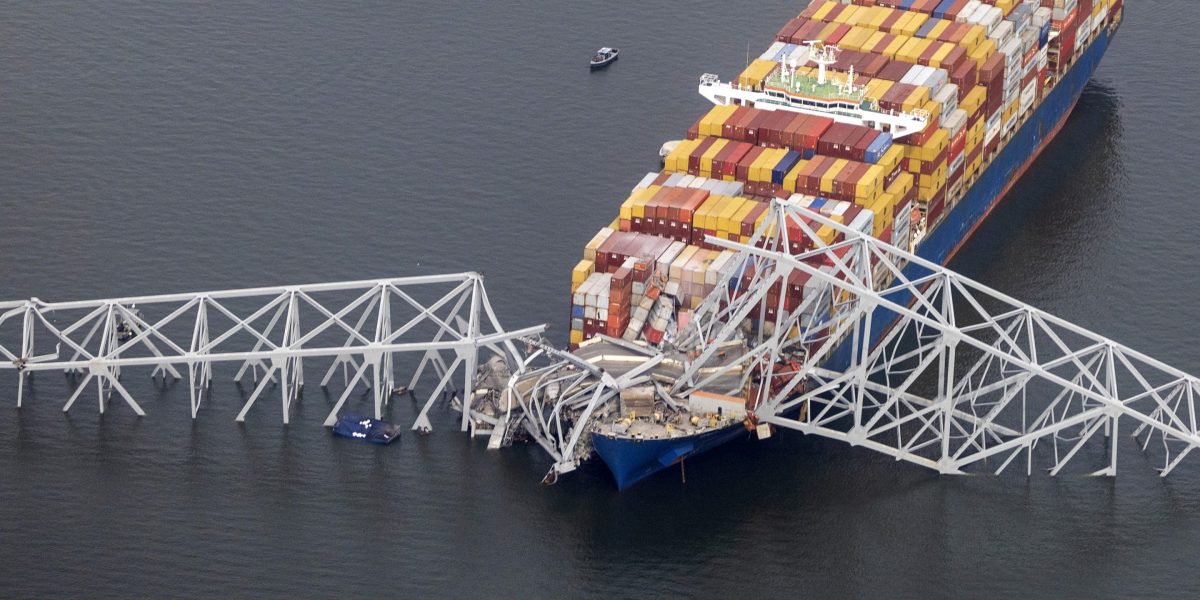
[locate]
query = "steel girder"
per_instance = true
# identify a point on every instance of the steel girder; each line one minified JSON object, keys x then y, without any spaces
{"x":361,"y":327}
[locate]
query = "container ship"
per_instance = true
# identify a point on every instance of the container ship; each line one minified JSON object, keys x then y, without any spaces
{"x":905,"y":119}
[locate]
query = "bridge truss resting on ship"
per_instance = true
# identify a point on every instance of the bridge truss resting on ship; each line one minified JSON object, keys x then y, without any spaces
{"x":887,"y":351}
{"x":443,"y":323}
{"x":960,"y":377}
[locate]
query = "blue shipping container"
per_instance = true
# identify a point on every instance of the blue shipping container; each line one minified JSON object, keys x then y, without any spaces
{"x":877,"y":148}
{"x":925,"y":29}
{"x":940,"y":11}
{"x":780,"y":170}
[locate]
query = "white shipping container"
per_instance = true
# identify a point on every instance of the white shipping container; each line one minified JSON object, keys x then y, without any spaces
{"x":772,"y":50}
{"x":992,"y":19}
{"x":1041,"y":16}
{"x":800,"y":55}
{"x":902,"y":228}
{"x":1028,"y":95}
{"x":965,"y":14}
{"x":913,"y":75}
{"x":685,"y":181}
{"x":646,"y":181}
{"x":1011,"y":123}
{"x":1002,"y":31}
{"x":864,"y":222}
{"x":993,"y":128}
{"x":948,"y":98}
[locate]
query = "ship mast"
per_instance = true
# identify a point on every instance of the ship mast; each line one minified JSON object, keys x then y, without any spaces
{"x":824,"y":55}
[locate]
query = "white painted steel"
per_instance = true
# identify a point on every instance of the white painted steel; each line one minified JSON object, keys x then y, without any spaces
{"x":360,"y":326}
{"x":899,"y":124}
{"x":962,"y":378}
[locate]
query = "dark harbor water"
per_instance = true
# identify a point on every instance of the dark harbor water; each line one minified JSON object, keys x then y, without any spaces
{"x":160,"y":147}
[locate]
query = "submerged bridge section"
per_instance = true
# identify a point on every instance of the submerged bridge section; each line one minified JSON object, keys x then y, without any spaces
{"x":367,"y":330}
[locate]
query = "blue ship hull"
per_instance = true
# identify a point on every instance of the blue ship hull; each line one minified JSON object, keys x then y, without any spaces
{"x":631,"y":461}
{"x":634,"y":460}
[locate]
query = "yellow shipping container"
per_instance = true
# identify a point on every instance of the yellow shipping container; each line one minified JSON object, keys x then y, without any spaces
{"x":944,"y":50}
{"x":846,"y":14}
{"x":935,"y":111}
{"x":921,"y":47}
{"x":827,"y":234}
{"x":824,"y":10}
{"x":576,"y":337}
{"x":706,"y":215}
{"x":676,"y":270}
{"x":878,"y":15}
{"x":917,"y":99}
{"x":789,"y":181}
{"x":735,"y":222}
{"x":827,"y":178}
{"x":935,"y":145}
{"x":914,"y":23}
{"x":706,"y":159}
{"x":938,"y":29}
{"x":857,"y":38}
{"x":874,"y":40}
{"x":908,"y":52}
{"x":676,"y":161}
{"x":895,"y":46}
{"x":870,"y":185}
{"x":902,"y":185}
{"x":757,"y":72}
{"x":1005,"y":5}
{"x":882,"y":208}
{"x":713,"y":122}
{"x":582,"y":270}
{"x":974,"y":37}
{"x":726,"y":214}
{"x":891,"y":158}
{"x":982,"y":52}
{"x":973,"y":100}
{"x":641,"y":197}
{"x":878,"y":87}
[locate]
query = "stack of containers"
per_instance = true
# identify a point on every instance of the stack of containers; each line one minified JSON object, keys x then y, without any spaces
{"x":589,"y":307}
{"x":974,"y":67}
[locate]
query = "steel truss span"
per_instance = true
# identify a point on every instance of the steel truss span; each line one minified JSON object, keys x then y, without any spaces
{"x":366,"y":330}
{"x":890,"y":352}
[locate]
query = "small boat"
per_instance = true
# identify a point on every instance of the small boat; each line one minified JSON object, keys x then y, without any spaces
{"x":366,"y":429}
{"x":603,"y":57}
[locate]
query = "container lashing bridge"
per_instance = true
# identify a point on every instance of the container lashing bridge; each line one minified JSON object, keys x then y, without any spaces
{"x":886,"y":351}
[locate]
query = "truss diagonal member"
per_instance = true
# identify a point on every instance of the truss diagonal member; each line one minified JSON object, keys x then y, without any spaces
{"x":976,"y":412}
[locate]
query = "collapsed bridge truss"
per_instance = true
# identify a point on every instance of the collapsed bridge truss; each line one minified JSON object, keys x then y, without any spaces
{"x":362,"y":328}
{"x":885,"y":350}
{"x":897,"y":354}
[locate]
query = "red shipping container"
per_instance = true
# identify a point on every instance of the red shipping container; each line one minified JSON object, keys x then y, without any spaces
{"x":728,"y":129}
{"x":807,"y":32}
{"x":789,"y":29}
{"x":694,"y":159}
{"x":742,"y":172}
{"x":956,"y":8}
{"x":891,"y":20}
{"x":838,"y":33}
{"x":729,"y":169}
{"x":760,"y":119}
{"x":895,"y":71}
